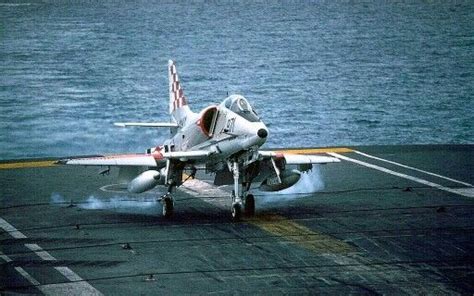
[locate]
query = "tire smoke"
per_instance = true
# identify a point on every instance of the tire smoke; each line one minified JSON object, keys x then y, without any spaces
{"x":310,"y":182}
{"x":121,"y":204}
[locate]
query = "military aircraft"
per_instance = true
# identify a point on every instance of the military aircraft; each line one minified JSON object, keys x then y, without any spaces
{"x":223,"y":139}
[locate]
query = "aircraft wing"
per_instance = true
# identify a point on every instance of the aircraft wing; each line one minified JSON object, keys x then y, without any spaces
{"x":146,"y":124}
{"x":115,"y":160}
{"x":291,"y":158}
{"x":149,"y":160}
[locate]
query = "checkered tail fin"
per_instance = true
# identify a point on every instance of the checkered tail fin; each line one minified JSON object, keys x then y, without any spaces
{"x":179,"y":108}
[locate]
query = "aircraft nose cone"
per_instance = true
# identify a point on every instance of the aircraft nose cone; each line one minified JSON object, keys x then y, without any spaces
{"x":262,"y":133}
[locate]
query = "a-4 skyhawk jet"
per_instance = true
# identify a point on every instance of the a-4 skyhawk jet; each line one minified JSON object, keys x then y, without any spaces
{"x":223,"y":139}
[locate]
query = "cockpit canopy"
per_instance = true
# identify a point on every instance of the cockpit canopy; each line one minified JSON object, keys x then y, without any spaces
{"x":239,"y":105}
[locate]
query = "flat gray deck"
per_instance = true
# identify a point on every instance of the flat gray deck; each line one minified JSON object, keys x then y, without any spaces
{"x":376,"y":227}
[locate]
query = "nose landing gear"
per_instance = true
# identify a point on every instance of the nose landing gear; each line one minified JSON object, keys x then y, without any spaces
{"x":236,"y":211}
{"x":249,"y":207}
{"x":240,"y":197}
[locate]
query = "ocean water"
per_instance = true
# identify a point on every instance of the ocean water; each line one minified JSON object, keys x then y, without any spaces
{"x":320,"y":73}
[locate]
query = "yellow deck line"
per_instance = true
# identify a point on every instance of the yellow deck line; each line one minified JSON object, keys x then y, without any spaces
{"x":301,"y":235}
{"x":28,"y":164}
{"x":316,"y":150}
{"x":279,"y":226}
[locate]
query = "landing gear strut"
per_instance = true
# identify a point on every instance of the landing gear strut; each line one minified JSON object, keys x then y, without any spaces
{"x":236,"y":198}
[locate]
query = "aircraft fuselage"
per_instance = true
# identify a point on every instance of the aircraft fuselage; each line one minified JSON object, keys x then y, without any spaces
{"x":220,"y":130}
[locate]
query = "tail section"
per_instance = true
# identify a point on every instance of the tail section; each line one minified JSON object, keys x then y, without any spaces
{"x":178,"y":105}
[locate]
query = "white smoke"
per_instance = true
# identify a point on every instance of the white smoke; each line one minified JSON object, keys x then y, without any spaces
{"x":310,"y":182}
{"x":122,"y":204}
{"x":58,"y":199}
{"x":114,"y":203}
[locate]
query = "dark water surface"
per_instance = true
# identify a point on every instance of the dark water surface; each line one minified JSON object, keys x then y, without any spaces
{"x":319,"y":73}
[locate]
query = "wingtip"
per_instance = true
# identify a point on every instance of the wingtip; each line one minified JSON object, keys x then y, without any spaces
{"x":170,"y":62}
{"x":119,"y":124}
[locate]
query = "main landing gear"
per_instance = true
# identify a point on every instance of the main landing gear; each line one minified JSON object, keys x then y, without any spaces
{"x":167,"y":199}
{"x":241,"y":200}
{"x":168,"y":205}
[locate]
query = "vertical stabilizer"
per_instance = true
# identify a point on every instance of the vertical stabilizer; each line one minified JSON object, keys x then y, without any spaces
{"x":178,"y":105}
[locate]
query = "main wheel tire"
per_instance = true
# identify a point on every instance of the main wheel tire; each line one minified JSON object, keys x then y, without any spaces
{"x":236,"y":212}
{"x":250,"y":205}
{"x":168,"y":207}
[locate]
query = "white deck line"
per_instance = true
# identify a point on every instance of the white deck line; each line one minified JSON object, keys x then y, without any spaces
{"x":77,"y":286}
{"x":412,"y":168}
{"x":69,"y":274}
{"x":27,"y":276}
{"x":20,"y":270}
{"x":468,"y":192}
{"x":40,"y":252}
{"x":11,"y":230}
{"x":5,"y":257}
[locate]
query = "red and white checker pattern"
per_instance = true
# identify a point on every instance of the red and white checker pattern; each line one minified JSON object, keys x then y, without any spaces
{"x":177,"y":99}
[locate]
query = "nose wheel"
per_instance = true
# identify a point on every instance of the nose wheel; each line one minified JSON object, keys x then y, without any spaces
{"x":236,"y":212}
{"x":237,"y":207}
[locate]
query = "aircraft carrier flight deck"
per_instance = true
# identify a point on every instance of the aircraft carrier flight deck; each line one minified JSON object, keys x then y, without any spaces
{"x":388,"y":220}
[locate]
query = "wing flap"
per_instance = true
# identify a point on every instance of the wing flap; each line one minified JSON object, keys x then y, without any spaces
{"x":187,"y":155}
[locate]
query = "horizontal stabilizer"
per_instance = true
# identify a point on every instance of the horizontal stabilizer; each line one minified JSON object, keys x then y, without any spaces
{"x":146,"y":124}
